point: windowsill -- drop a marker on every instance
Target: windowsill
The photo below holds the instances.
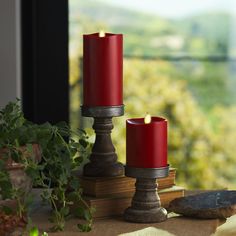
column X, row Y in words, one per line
column 177, row 225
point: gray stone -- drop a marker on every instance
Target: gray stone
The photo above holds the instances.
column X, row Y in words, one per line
column 208, row 205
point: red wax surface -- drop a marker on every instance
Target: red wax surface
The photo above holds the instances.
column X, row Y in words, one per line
column 103, row 70
column 146, row 144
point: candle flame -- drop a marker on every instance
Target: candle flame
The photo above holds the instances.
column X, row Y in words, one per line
column 101, row 33
column 147, row 119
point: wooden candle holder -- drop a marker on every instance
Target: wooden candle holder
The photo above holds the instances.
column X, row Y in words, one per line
column 103, row 160
column 146, row 206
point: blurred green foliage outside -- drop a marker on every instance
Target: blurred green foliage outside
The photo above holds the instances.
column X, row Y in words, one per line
column 197, row 97
column 201, row 145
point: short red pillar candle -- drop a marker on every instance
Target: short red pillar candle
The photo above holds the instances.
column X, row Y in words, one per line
column 146, row 143
column 102, row 70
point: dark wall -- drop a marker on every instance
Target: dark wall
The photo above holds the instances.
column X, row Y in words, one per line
column 45, row 60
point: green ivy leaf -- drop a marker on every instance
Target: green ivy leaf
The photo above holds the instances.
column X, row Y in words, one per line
column 74, row 183
column 83, row 142
column 34, row 231
column 79, row 212
column 29, row 148
column 65, row 211
column 87, row 215
column 84, row 227
column 7, row 210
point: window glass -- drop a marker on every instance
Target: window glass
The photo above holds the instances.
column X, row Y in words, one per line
column 180, row 63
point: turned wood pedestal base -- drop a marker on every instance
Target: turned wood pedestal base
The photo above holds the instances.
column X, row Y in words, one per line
column 103, row 160
column 146, row 206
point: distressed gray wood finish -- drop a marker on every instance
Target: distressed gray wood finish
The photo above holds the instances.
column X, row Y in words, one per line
column 145, row 206
column 210, row 205
column 103, row 160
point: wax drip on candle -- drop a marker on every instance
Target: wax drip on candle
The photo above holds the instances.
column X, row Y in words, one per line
column 147, row 119
column 101, row 34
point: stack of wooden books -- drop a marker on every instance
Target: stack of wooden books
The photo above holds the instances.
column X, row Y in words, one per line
column 111, row 196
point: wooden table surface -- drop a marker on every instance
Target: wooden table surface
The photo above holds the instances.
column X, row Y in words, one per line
column 177, row 225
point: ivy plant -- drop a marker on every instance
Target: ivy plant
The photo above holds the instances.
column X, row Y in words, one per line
column 63, row 151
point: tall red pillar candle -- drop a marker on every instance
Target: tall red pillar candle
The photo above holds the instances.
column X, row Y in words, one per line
column 146, row 143
column 102, row 70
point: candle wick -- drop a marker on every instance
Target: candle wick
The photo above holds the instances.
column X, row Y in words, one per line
column 101, row 34
column 147, row 119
